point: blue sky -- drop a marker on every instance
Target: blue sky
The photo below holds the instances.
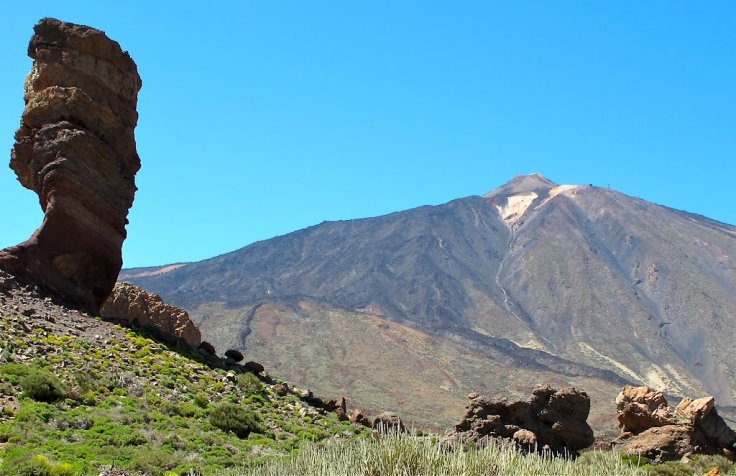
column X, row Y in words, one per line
column 258, row 118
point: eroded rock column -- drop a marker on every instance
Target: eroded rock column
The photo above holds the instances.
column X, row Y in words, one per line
column 76, row 149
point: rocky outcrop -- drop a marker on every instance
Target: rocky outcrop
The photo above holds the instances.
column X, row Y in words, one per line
column 357, row 418
column 551, row 419
column 660, row 443
column 650, row 428
column 338, row 406
column 640, row 408
column 76, row 149
column 134, row 306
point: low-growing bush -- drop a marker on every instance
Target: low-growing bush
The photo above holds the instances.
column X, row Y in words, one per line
column 42, row 386
column 153, row 461
column 14, row 372
column 39, row 465
column 201, row 400
column 235, row 419
column 249, row 383
column 700, row 464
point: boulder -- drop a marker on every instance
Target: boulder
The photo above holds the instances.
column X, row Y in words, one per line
column 76, row 149
column 551, row 418
column 338, row 406
column 660, row 443
column 641, row 408
column 388, row 422
column 711, row 430
column 207, row 348
column 525, row 439
column 356, row 417
column 235, row 355
column 133, row 306
column 281, row 389
column 253, row 367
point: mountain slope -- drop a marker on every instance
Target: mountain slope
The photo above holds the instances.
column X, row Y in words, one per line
column 79, row 395
column 532, row 282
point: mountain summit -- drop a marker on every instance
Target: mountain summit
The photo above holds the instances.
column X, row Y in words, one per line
column 533, row 183
column 531, row 283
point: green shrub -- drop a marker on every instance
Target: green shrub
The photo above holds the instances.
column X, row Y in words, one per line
column 236, row 419
column 39, row 465
column 35, row 412
column 153, row 461
column 14, row 372
column 201, row 400
column 249, row 383
column 42, row 386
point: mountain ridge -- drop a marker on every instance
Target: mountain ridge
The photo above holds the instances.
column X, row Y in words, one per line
column 557, row 269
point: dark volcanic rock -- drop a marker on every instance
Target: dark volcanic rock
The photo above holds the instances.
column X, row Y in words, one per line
column 551, row 418
column 76, row 149
column 253, row 367
column 207, row 348
column 388, row 422
column 132, row 305
column 236, row 355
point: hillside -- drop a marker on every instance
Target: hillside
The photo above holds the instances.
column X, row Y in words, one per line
column 530, row 283
column 79, row 395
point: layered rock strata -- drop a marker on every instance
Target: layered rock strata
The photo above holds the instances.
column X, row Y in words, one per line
column 651, row 429
column 76, row 149
column 134, row 306
column 552, row 420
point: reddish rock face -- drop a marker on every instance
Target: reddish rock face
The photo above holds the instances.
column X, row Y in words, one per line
column 132, row 305
column 76, row 149
column 651, row 429
column 641, row 408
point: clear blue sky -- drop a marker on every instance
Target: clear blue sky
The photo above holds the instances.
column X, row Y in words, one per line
column 258, row 118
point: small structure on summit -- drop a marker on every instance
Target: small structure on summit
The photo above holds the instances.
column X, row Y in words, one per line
column 76, row 149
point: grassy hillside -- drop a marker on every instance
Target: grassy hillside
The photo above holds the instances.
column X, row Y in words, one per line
column 107, row 396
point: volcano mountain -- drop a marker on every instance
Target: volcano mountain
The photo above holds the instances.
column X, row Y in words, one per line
column 530, row 283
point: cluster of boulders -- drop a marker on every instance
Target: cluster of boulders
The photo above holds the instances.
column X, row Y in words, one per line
column 76, row 149
column 650, row 428
column 383, row 423
column 552, row 420
column 339, row 406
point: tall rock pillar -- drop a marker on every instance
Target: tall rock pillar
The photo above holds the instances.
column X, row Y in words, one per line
column 76, row 149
